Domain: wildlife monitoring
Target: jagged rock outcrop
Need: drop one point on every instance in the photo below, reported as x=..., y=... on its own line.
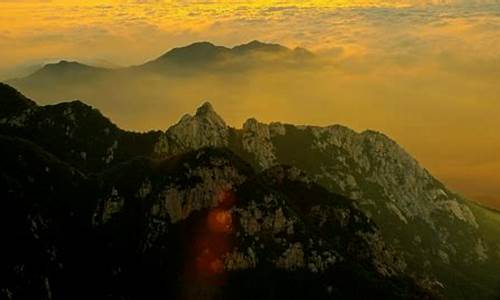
x=256, y=139
x=418, y=215
x=206, y=128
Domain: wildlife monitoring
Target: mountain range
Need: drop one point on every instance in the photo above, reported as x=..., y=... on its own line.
x=191, y=58
x=203, y=210
x=176, y=78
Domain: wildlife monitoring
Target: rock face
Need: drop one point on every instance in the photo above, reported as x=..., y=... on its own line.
x=432, y=227
x=168, y=228
x=205, y=129
x=216, y=211
x=256, y=139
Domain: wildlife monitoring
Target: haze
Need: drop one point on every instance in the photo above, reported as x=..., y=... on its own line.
x=426, y=73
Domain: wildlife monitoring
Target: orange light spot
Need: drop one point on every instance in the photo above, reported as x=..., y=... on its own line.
x=220, y=220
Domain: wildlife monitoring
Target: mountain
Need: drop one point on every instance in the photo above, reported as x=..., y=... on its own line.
x=198, y=55
x=201, y=52
x=421, y=238
x=13, y=102
x=203, y=55
x=441, y=236
x=259, y=46
x=68, y=69
x=158, y=79
x=62, y=80
x=74, y=131
x=201, y=224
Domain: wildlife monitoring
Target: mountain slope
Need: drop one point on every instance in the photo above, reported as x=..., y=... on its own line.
x=42, y=209
x=12, y=102
x=196, y=226
x=74, y=131
x=444, y=241
x=434, y=228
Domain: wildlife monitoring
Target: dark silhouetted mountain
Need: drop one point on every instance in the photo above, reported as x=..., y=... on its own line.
x=200, y=224
x=204, y=210
x=42, y=217
x=13, y=101
x=257, y=46
x=201, y=52
x=60, y=80
x=74, y=131
x=202, y=55
x=65, y=69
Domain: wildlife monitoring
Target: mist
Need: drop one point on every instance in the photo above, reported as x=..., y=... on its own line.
x=439, y=108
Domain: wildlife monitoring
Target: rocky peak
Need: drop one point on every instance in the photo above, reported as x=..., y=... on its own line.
x=253, y=125
x=206, y=109
x=206, y=128
x=208, y=117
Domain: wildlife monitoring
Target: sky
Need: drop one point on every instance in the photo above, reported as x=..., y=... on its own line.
x=427, y=73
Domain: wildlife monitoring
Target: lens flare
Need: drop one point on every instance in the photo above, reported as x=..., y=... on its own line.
x=212, y=239
x=219, y=221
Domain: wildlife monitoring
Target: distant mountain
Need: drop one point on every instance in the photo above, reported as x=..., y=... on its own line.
x=204, y=54
x=197, y=55
x=27, y=68
x=200, y=224
x=72, y=69
x=61, y=80
x=259, y=46
x=65, y=80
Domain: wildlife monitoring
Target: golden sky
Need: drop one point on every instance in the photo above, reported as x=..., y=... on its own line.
x=427, y=73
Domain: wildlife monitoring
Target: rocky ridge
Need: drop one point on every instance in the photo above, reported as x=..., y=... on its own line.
x=436, y=233
x=418, y=215
x=196, y=223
